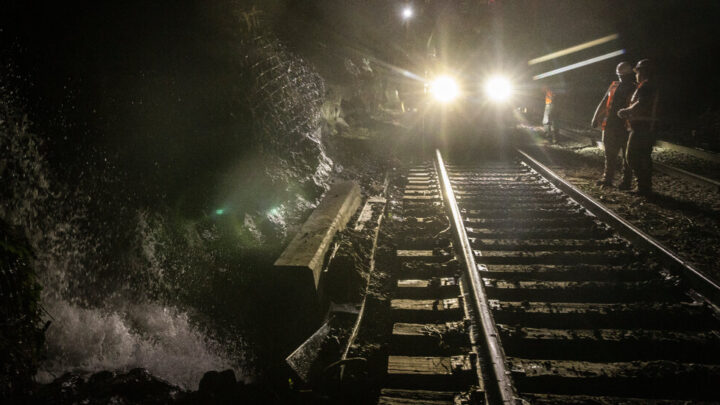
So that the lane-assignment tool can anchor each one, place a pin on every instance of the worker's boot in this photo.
(607, 177)
(626, 184)
(644, 187)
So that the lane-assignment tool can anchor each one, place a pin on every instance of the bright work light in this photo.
(498, 88)
(444, 89)
(407, 12)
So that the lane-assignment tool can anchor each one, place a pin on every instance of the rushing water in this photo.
(159, 338)
(110, 330)
(132, 281)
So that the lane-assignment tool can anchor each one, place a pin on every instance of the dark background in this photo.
(476, 37)
(144, 104)
(146, 78)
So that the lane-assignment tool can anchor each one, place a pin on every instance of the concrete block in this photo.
(305, 254)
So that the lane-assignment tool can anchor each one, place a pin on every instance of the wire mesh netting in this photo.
(285, 95)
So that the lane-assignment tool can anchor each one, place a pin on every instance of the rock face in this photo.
(286, 98)
(197, 156)
(164, 175)
(217, 385)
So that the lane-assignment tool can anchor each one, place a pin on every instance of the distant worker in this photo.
(614, 129)
(641, 115)
(551, 115)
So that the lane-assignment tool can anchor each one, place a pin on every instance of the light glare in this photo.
(579, 64)
(407, 12)
(444, 89)
(574, 49)
(498, 88)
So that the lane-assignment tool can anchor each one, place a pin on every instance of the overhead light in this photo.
(498, 88)
(407, 12)
(445, 89)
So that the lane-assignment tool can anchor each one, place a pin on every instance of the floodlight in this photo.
(444, 89)
(407, 12)
(498, 88)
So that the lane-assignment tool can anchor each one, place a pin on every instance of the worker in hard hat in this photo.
(642, 119)
(614, 130)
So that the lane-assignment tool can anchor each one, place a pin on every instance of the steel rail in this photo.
(662, 167)
(490, 333)
(709, 288)
(689, 176)
(686, 150)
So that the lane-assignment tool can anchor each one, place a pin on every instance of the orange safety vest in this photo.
(548, 97)
(611, 95)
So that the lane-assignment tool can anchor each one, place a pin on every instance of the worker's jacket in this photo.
(616, 97)
(643, 115)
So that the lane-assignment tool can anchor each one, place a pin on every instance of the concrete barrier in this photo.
(305, 255)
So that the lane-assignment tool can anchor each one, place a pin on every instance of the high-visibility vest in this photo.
(548, 96)
(608, 104)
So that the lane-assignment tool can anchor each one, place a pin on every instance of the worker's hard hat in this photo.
(623, 68)
(644, 65)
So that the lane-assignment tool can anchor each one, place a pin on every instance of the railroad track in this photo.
(663, 167)
(531, 298)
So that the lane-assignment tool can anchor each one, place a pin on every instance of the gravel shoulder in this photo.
(693, 164)
(685, 217)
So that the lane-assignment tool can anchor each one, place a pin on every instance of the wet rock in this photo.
(217, 384)
(137, 386)
(63, 390)
(101, 377)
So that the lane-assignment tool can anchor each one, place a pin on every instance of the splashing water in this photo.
(129, 283)
(151, 336)
(115, 331)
